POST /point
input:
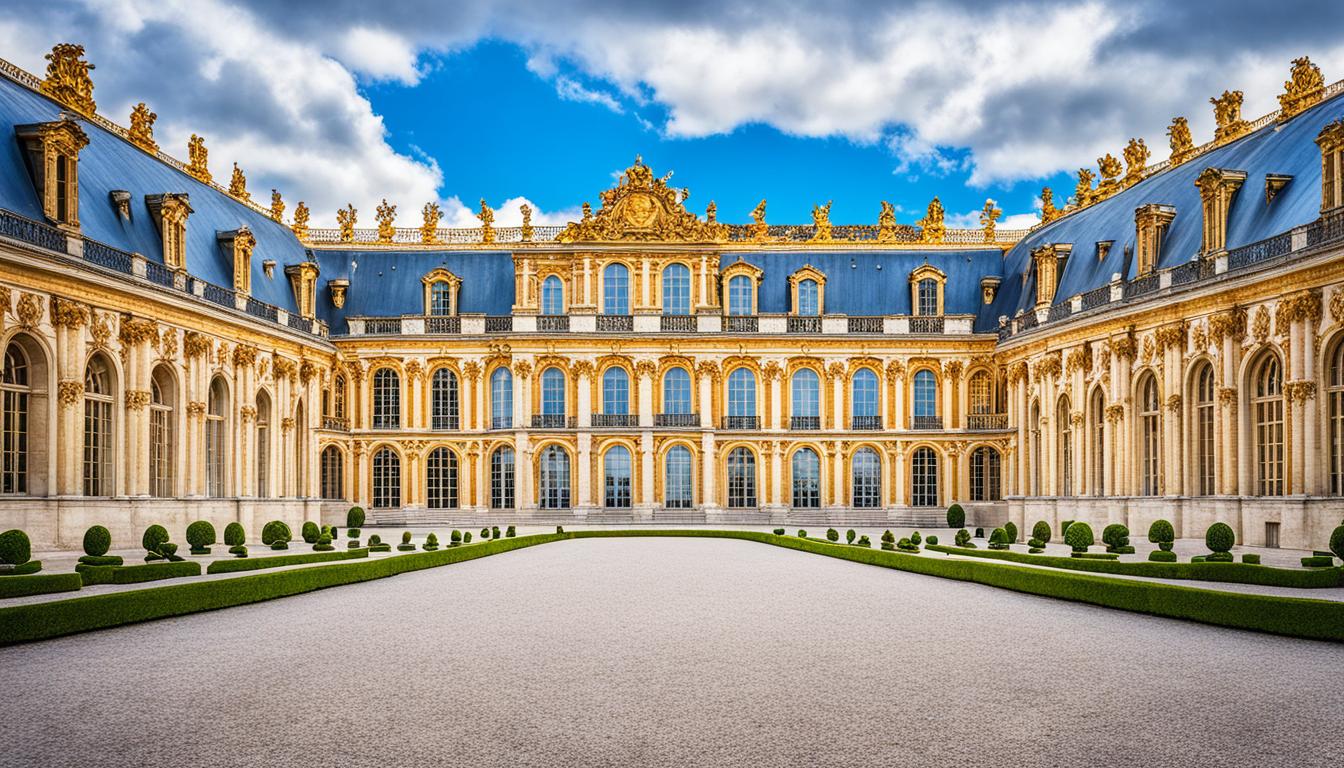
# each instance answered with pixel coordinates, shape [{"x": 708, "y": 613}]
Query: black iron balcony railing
[
  {"x": 501, "y": 422},
  {"x": 1096, "y": 297},
  {"x": 926, "y": 422},
  {"x": 217, "y": 295},
  {"x": 615, "y": 420},
  {"x": 676, "y": 420},
  {"x": 336, "y": 423},
  {"x": 615, "y": 323},
  {"x": 980, "y": 421},
  {"x": 741, "y": 422},
  {"x": 499, "y": 324},
  {"x": 804, "y": 325},
  {"x": 382, "y": 325},
  {"x": 261, "y": 309},
  {"x": 443, "y": 324},
  {"x": 741, "y": 324},
  {"x": 553, "y": 323},
  {"x": 865, "y": 325},
  {"x": 1142, "y": 285},
  {"x": 926, "y": 324},
  {"x": 678, "y": 323},
  {"x": 19, "y": 227},
  {"x": 107, "y": 257},
  {"x": 865, "y": 423},
  {"x": 552, "y": 421},
  {"x": 804, "y": 422},
  {"x": 298, "y": 322}
]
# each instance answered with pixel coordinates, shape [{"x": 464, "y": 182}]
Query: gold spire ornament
[
  {"x": 932, "y": 229},
  {"x": 238, "y": 184},
  {"x": 68, "y": 78},
  {"x": 141, "y": 132},
  {"x": 1083, "y": 191},
  {"x": 1110, "y": 171},
  {"x": 198, "y": 159},
  {"x": 1048, "y": 210},
  {"x": 1227, "y": 115},
  {"x": 821, "y": 223},
  {"x": 1302, "y": 90},
  {"x": 300, "y": 225},
  {"x": 487, "y": 217},
  {"x": 989, "y": 218},
  {"x": 386, "y": 215},
  {"x": 526, "y": 210},
  {"x": 1182, "y": 146},
  {"x": 759, "y": 229},
  {"x": 345, "y": 219},
  {"x": 886, "y": 223},
  {"x": 277, "y": 206},
  {"x": 1136, "y": 160},
  {"x": 429, "y": 228}
]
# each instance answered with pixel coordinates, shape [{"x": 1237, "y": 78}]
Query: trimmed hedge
[
  {"x": 1162, "y": 556},
  {"x": 310, "y": 532},
  {"x": 277, "y": 561},
  {"x": 354, "y": 518},
  {"x": 136, "y": 574},
  {"x": 1095, "y": 555},
  {"x": 1318, "y": 561},
  {"x": 39, "y": 584},
  {"x": 30, "y": 567},
  {"x": 1011, "y": 529}
]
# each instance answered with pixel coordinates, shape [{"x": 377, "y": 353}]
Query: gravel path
[{"x": 669, "y": 652}]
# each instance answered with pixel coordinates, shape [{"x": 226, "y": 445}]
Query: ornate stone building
[{"x": 1167, "y": 344}]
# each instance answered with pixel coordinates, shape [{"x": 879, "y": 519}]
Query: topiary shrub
[
  {"x": 235, "y": 537},
  {"x": 1337, "y": 542},
  {"x": 354, "y": 518},
  {"x": 407, "y": 546},
  {"x": 1116, "y": 538},
  {"x": 802, "y": 534},
  {"x": 888, "y": 540},
  {"x": 849, "y": 536},
  {"x": 558, "y": 529},
  {"x": 979, "y": 533},
  {"x": 1064, "y": 528},
  {"x": 494, "y": 531},
  {"x": 915, "y": 538},
  {"x": 466, "y": 537},
  {"x": 1220, "y": 538},
  {"x": 1318, "y": 561},
  {"x": 1079, "y": 536},
  {"x": 157, "y": 545},
  {"x": 998, "y": 539},
  {"x": 455, "y": 538},
  {"x": 509, "y": 532},
  {"x": 1041, "y": 532},
  {"x": 16, "y": 549},
  {"x": 956, "y": 516},
  {"x": 779, "y": 531},
  {"x": 906, "y": 545},
  {"x": 1162, "y": 534},
  {"x": 276, "y": 531},
  {"x": 931, "y": 541},
  {"x": 97, "y": 540},
  {"x": 963, "y": 539},
  {"x": 863, "y": 542},
  {"x": 1162, "y": 556},
  {"x": 376, "y": 544},
  {"x": 1250, "y": 559},
  {"x": 431, "y": 542},
  {"x": 485, "y": 533},
  {"x": 200, "y": 535},
  {"x": 1010, "y": 528},
  {"x": 832, "y": 534},
  {"x": 323, "y": 544},
  {"x": 310, "y": 532}
]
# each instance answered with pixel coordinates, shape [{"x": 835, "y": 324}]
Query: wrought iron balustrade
[
  {"x": 553, "y": 323},
  {"x": 443, "y": 324},
  {"x": 502, "y": 324},
  {"x": 615, "y": 420},
  {"x": 1027, "y": 321},
  {"x": 36, "y": 233},
  {"x": 382, "y": 325},
  {"x": 926, "y": 324},
  {"x": 1192, "y": 271},
  {"x": 1263, "y": 250},
  {"x": 865, "y": 325},
  {"x": 1058, "y": 312},
  {"x": 678, "y": 323},
  {"x": 501, "y": 422},
  {"x": 926, "y": 422},
  {"x": 798, "y": 324},
  {"x": 262, "y": 309},
  {"x": 741, "y": 324},
  {"x": 809, "y": 423},
  {"x": 615, "y": 323},
  {"x": 983, "y": 421},
  {"x": 676, "y": 420},
  {"x": 741, "y": 422},
  {"x": 1327, "y": 229},
  {"x": 1141, "y": 286},
  {"x": 299, "y": 322},
  {"x": 865, "y": 423},
  {"x": 159, "y": 274},
  {"x": 107, "y": 257},
  {"x": 551, "y": 421},
  {"x": 1096, "y": 297},
  {"x": 217, "y": 295}
]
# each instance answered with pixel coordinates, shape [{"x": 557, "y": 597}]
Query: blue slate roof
[
  {"x": 385, "y": 283},
  {"x": 1288, "y": 149}
]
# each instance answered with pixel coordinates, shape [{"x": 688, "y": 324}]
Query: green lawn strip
[
  {"x": 1232, "y": 573},
  {"x": 277, "y": 561},
  {"x": 136, "y": 574},
  {"x": 38, "y": 584}
]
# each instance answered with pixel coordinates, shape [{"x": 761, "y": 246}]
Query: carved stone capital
[
  {"x": 137, "y": 399},
  {"x": 68, "y": 314},
  {"x": 70, "y": 392}
]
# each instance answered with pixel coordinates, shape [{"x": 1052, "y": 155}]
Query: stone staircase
[{"x": 907, "y": 517}]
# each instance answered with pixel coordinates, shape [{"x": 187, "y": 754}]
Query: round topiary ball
[
  {"x": 1220, "y": 537},
  {"x": 932, "y": 541},
  {"x": 155, "y": 537},
  {"x": 310, "y": 532},
  {"x": 275, "y": 531},
  {"x": 234, "y": 535},
  {"x": 354, "y": 518},
  {"x": 375, "y": 540},
  {"x": 998, "y": 536},
  {"x": 15, "y": 549},
  {"x": 956, "y": 516},
  {"x": 97, "y": 540},
  {"x": 1079, "y": 536},
  {"x": 200, "y": 534},
  {"x": 1162, "y": 534},
  {"x": 1115, "y": 535},
  {"x": 406, "y": 537},
  {"x": 1337, "y": 542},
  {"x": 1041, "y": 532}
]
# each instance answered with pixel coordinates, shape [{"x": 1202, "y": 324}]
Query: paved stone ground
[{"x": 669, "y": 652}]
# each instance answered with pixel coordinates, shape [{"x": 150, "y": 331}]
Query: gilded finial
[
  {"x": 68, "y": 78},
  {"x": 989, "y": 217},
  {"x": 345, "y": 219},
  {"x": 932, "y": 228},
  {"x": 1182, "y": 146},
  {"x": 300, "y": 225},
  {"x": 1136, "y": 160},
  {"x": 886, "y": 223},
  {"x": 1227, "y": 116},
  {"x": 821, "y": 222},
  {"x": 487, "y": 217},
  {"x": 1083, "y": 193},
  {"x": 1048, "y": 210},
  {"x": 277, "y": 206},
  {"x": 238, "y": 184},
  {"x": 198, "y": 159},
  {"x": 760, "y": 230},
  {"x": 141, "y": 131},
  {"x": 385, "y": 215},
  {"x": 711, "y": 212},
  {"x": 526, "y": 211},
  {"x": 1302, "y": 90},
  {"x": 429, "y": 228},
  {"x": 1110, "y": 171},
  {"x": 587, "y": 215}
]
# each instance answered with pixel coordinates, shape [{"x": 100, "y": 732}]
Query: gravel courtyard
[{"x": 670, "y": 652}]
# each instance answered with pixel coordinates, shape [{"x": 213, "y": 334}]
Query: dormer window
[
  {"x": 1331, "y": 142},
  {"x": 441, "y": 291},
  {"x": 808, "y": 286},
  {"x": 740, "y": 281},
  {"x": 1050, "y": 261},
  {"x": 1151, "y": 222},
  {"x": 926, "y": 291},
  {"x": 52, "y": 151},
  {"x": 1217, "y": 187},
  {"x": 170, "y": 211},
  {"x": 239, "y": 244},
  {"x": 303, "y": 281}
]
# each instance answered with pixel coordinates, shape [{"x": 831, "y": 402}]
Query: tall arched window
[
  {"x": 676, "y": 290},
  {"x": 980, "y": 394},
  {"x": 808, "y": 304},
  {"x": 677, "y": 482},
  {"x": 864, "y": 400},
  {"x": 1150, "y": 425},
  {"x": 865, "y": 479},
  {"x": 806, "y": 471},
  {"x": 501, "y": 398},
  {"x": 739, "y": 295},
  {"x": 616, "y": 478},
  {"x": 263, "y": 452},
  {"x": 441, "y": 479},
  {"x": 553, "y": 392},
  {"x": 1267, "y": 410},
  {"x": 552, "y": 296},
  {"x": 440, "y": 298},
  {"x": 1203, "y": 436},
  {"x": 501, "y": 478},
  {"x": 386, "y": 479},
  {"x": 216, "y": 439},
  {"x": 924, "y": 478},
  {"x": 98, "y": 445},
  {"x": 925, "y": 402},
  {"x": 1335, "y": 394},
  {"x": 741, "y": 399},
  {"x": 677, "y": 391},
  {"x": 333, "y": 473},
  {"x": 162, "y": 432},
  {"x": 1098, "y": 443},
  {"x": 985, "y": 475},
  {"x": 444, "y": 395},
  {"x": 741, "y": 478},
  {"x": 338, "y": 408},
  {"x": 16, "y": 382},
  {"x": 804, "y": 400},
  {"x": 615, "y": 392},
  {"x": 1064, "y": 436},
  {"x": 386, "y": 399},
  {"x": 616, "y": 290},
  {"x": 928, "y": 297},
  {"x": 553, "y": 488}
]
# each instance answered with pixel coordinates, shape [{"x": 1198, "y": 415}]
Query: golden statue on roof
[
  {"x": 141, "y": 132},
  {"x": 1136, "y": 160},
  {"x": 1048, "y": 210},
  {"x": 238, "y": 184},
  {"x": 932, "y": 229},
  {"x": 386, "y": 216},
  {"x": 1110, "y": 171},
  {"x": 300, "y": 225},
  {"x": 526, "y": 234},
  {"x": 68, "y": 78},
  {"x": 643, "y": 208},
  {"x": 760, "y": 231},
  {"x": 345, "y": 219},
  {"x": 487, "y": 217},
  {"x": 277, "y": 206},
  {"x": 886, "y": 223},
  {"x": 198, "y": 159},
  {"x": 989, "y": 217},
  {"x": 1302, "y": 90},
  {"x": 1182, "y": 146},
  {"x": 429, "y": 228},
  {"x": 1227, "y": 115},
  {"x": 1083, "y": 192},
  {"x": 821, "y": 222}
]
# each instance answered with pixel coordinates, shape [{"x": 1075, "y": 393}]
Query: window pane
[
  {"x": 552, "y": 296},
  {"x": 926, "y": 394},
  {"x": 616, "y": 477},
  {"x": 866, "y": 481},
  {"x": 677, "y": 485},
  {"x": 677, "y": 391},
  {"x": 865, "y": 396},
  {"x": 501, "y": 479},
  {"x": 553, "y": 392},
  {"x": 807, "y": 298},
  {"x": 501, "y": 399},
  {"x": 806, "y": 479},
  {"x": 739, "y": 295},
  {"x": 615, "y": 392},
  {"x": 616, "y": 290},
  {"x": 806, "y": 388},
  {"x": 676, "y": 290},
  {"x": 742, "y": 393}
]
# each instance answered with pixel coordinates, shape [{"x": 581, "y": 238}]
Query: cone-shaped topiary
[
  {"x": 16, "y": 549},
  {"x": 1220, "y": 538},
  {"x": 200, "y": 535},
  {"x": 1010, "y": 528},
  {"x": 956, "y": 516},
  {"x": 354, "y": 518},
  {"x": 1079, "y": 536},
  {"x": 1162, "y": 534},
  {"x": 1041, "y": 532},
  {"x": 310, "y": 532}
]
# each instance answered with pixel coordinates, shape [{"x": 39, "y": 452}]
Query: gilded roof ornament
[
  {"x": 821, "y": 222},
  {"x": 429, "y": 229},
  {"x": 1227, "y": 115},
  {"x": 1083, "y": 191},
  {"x": 300, "y": 225},
  {"x": 198, "y": 159},
  {"x": 238, "y": 184},
  {"x": 711, "y": 213},
  {"x": 1182, "y": 146},
  {"x": 345, "y": 219},
  {"x": 1302, "y": 90},
  {"x": 141, "y": 131},
  {"x": 386, "y": 215},
  {"x": 68, "y": 78},
  {"x": 1110, "y": 171},
  {"x": 886, "y": 223},
  {"x": 487, "y": 217},
  {"x": 989, "y": 217},
  {"x": 1048, "y": 210},
  {"x": 932, "y": 229},
  {"x": 760, "y": 231},
  {"x": 643, "y": 208},
  {"x": 526, "y": 211},
  {"x": 277, "y": 206},
  {"x": 1136, "y": 160}
]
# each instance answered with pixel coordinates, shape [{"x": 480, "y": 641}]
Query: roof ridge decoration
[
  {"x": 643, "y": 208},
  {"x": 68, "y": 78}
]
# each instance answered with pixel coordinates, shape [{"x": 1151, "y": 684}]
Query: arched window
[
  {"x": 386, "y": 399},
  {"x": 676, "y": 290},
  {"x": 1064, "y": 436},
  {"x": 16, "y": 383},
  {"x": 263, "y": 452},
  {"x": 804, "y": 400},
  {"x": 677, "y": 391},
  {"x": 677, "y": 483},
  {"x": 865, "y": 479},
  {"x": 615, "y": 392},
  {"x": 552, "y": 296},
  {"x": 444, "y": 396},
  {"x": 1203, "y": 437},
  {"x": 162, "y": 432},
  {"x": 616, "y": 478},
  {"x": 808, "y": 304},
  {"x": 1335, "y": 394},
  {"x": 741, "y": 399},
  {"x": 924, "y": 478},
  {"x": 440, "y": 298},
  {"x": 338, "y": 409},
  {"x": 1034, "y": 433},
  {"x": 925, "y": 403},
  {"x": 806, "y": 479},
  {"x": 741, "y": 478},
  {"x": 616, "y": 290},
  {"x": 501, "y": 478},
  {"x": 1267, "y": 410},
  {"x": 553, "y": 392},
  {"x": 216, "y": 439},
  {"x": 333, "y": 474},
  {"x": 553, "y": 490},
  {"x": 98, "y": 444},
  {"x": 1150, "y": 425},
  {"x": 441, "y": 479},
  {"x": 980, "y": 394},
  {"x": 739, "y": 295},
  {"x": 501, "y": 398},
  {"x": 927, "y": 295},
  {"x": 1098, "y": 443},
  {"x": 863, "y": 400},
  {"x": 386, "y": 479},
  {"x": 985, "y": 475},
  {"x": 300, "y": 452}
]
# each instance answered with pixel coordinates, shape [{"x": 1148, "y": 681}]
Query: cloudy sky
[{"x": 543, "y": 101}]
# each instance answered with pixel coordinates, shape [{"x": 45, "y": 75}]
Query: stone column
[
  {"x": 69, "y": 319},
  {"x": 774, "y": 401},
  {"x": 901, "y": 479},
  {"x": 708, "y": 374},
  {"x": 837, "y": 456},
  {"x": 583, "y": 385},
  {"x": 584, "y": 498},
  {"x": 1309, "y": 401},
  {"x": 836, "y": 372},
  {"x": 526, "y": 496},
  {"x": 708, "y": 473},
  {"x": 645, "y": 371},
  {"x": 646, "y": 466}
]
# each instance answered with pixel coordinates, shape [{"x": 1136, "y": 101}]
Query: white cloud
[
  {"x": 508, "y": 213},
  {"x": 570, "y": 89},
  {"x": 379, "y": 54}
]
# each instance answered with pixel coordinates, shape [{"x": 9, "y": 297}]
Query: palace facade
[{"x": 1169, "y": 344}]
